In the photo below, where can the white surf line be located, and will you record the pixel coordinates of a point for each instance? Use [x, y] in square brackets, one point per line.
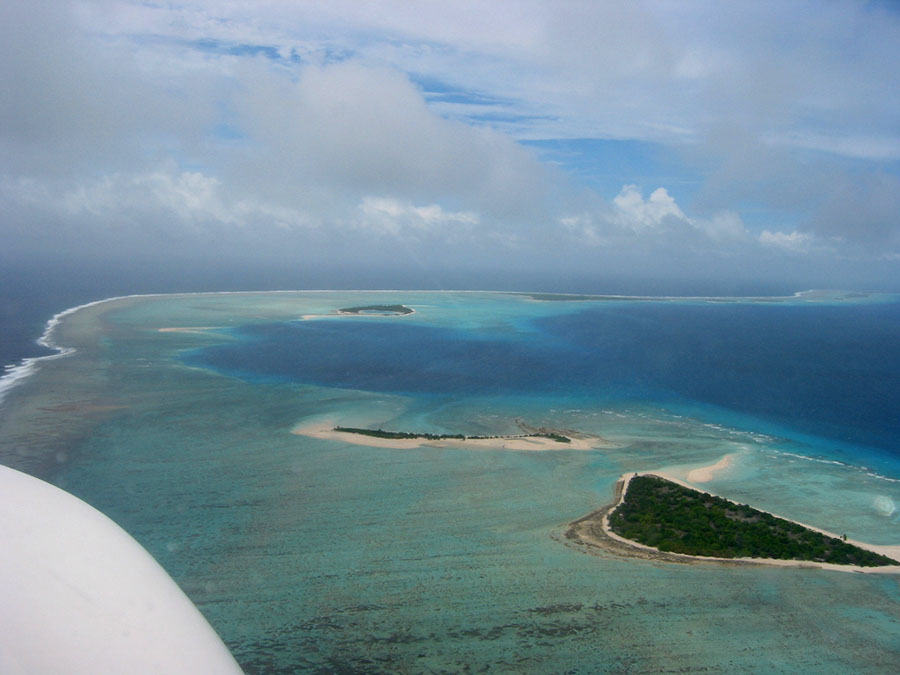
[14, 374]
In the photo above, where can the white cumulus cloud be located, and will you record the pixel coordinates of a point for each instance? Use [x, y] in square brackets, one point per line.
[795, 242]
[393, 216]
[634, 212]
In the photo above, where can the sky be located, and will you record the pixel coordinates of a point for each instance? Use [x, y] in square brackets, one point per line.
[451, 143]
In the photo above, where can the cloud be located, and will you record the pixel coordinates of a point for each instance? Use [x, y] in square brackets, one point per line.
[639, 70]
[367, 131]
[393, 216]
[164, 207]
[654, 71]
[123, 149]
[188, 197]
[316, 128]
[724, 226]
[635, 213]
[861, 210]
[73, 103]
[794, 242]
[832, 198]
[657, 224]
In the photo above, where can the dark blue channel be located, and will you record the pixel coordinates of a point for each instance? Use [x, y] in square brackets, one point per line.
[829, 370]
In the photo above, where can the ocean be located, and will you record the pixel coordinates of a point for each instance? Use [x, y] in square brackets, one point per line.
[316, 555]
[830, 370]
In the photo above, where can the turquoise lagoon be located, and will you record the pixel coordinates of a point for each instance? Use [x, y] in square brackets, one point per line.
[316, 555]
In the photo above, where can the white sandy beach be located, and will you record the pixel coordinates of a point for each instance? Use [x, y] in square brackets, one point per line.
[706, 473]
[373, 315]
[701, 474]
[187, 329]
[325, 430]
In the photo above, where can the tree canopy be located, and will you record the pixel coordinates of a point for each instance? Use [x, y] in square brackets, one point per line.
[659, 513]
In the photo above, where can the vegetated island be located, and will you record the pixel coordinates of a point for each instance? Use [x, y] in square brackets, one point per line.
[531, 439]
[364, 310]
[377, 309]
[380, 433]
[656, 518]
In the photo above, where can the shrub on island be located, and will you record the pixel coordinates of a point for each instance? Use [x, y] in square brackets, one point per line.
[377, 309]
[381, 433]
[673, 518]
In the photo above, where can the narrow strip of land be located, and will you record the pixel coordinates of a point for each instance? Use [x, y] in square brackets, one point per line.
[378, 309]
[187, 329]
[531, 440]
[706, 473]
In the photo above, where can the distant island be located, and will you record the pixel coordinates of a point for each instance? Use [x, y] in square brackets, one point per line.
[377, 309]
[380, 433]
[665, 520]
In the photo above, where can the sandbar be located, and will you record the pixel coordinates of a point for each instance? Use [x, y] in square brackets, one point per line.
[704, 474]
[325, 430]
[593, 533]
[187, 329]
[358, 315]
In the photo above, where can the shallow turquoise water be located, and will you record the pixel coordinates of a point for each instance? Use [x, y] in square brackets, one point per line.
[317, 555]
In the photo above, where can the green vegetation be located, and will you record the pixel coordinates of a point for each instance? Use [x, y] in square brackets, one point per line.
[380, 309]
[559, 438]
[381, 433]
[670, 517]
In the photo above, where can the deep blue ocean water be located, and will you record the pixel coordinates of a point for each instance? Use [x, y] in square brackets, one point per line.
[828, 370]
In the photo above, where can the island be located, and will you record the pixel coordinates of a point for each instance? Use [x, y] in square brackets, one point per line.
[380, 433]
[377, 309]
[653, 517]
[532, 438]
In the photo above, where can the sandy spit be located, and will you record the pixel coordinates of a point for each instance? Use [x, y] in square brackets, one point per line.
[705, 474]
[187, 329]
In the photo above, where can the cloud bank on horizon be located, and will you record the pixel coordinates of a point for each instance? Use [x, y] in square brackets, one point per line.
[753, 139]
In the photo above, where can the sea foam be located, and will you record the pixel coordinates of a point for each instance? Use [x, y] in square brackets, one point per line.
[15, 374]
